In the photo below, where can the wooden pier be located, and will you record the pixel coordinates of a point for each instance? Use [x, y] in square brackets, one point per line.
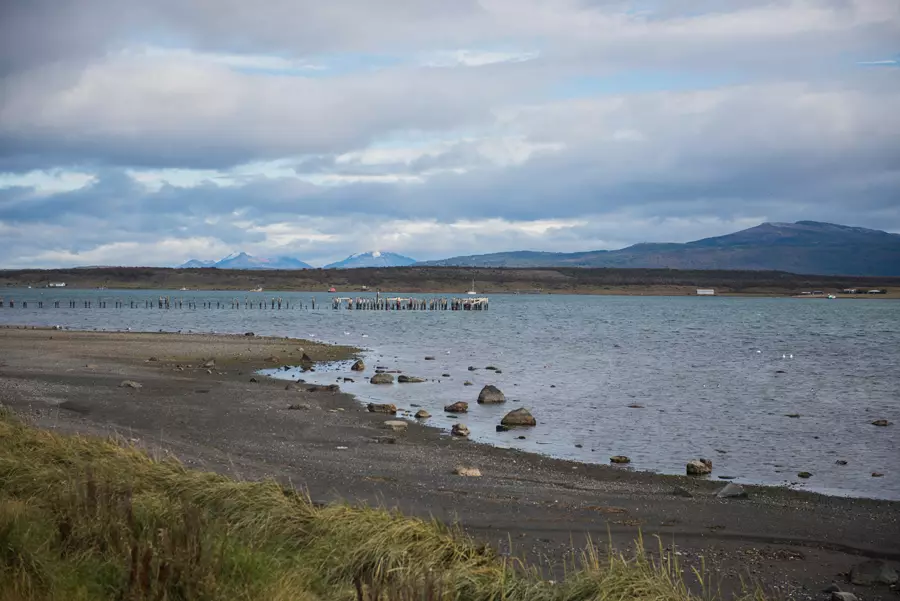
[379, 303]
[166, 303]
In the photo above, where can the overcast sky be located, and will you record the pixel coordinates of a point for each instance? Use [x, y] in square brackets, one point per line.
[148, 132]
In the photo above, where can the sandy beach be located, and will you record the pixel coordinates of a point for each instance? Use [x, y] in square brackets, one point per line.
[223, 417]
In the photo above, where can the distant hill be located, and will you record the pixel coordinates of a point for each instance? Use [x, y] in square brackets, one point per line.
[806, 247]
[244, 261]
[373, 258]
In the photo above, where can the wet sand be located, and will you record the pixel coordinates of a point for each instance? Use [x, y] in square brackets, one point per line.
[216, 418]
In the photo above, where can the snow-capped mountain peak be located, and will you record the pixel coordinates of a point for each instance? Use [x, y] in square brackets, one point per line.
[372, 258]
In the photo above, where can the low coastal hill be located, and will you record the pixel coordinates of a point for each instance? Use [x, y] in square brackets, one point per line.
[451, 280]
[801, 247]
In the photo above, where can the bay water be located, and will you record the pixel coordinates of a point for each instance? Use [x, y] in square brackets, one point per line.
[660, 379]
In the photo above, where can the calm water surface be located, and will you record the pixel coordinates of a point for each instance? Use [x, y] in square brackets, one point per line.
[716, 377]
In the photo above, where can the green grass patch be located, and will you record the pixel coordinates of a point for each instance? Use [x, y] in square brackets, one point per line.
[85, 519]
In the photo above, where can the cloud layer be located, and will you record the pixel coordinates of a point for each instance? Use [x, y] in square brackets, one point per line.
[150, 132]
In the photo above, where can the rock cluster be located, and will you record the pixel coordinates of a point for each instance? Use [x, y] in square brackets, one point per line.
[459, 430]
[388, 408]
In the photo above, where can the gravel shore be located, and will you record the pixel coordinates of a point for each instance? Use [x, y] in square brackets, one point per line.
[199, 398]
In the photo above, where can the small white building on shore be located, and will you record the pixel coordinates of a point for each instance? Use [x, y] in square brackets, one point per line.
[706, 291]
[56, 285]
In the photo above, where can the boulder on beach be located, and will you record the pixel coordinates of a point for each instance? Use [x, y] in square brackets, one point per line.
[409, 380]
[389, 408]
[490, 394]
[518, 417]
[619, 459]
[459, 430]
[358, 365]
[732, 491]
[873, 571]
[699, 467]
[457, 407]
[471, 472]
[422, 414]
[382, 379]
[131, 384]
[397, 425]
[210, 364]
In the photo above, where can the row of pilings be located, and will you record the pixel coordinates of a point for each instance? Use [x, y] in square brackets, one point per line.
[380, 303]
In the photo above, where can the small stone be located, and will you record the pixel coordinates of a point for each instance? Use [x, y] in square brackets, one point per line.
[804, 475]
[358, 365]
[497, 371]
[698, 467]
[249, 334]
[520, 438]
[470, 472]
[877, 475]
[131, 384]
[210, 363]
[491, 395]
[792, 415]
[732, 491]
[502, 428]
[152, 359]
[382, 379]
[422, 414]
[519, 417]
[253, 380]
[299, 407]
[873, 571]
[841, 462]
[882, 422]
[635, 406]
[579, 446]
[384, 440]
[397, 425]
[388, 408]
[459, 430]
[429, 358]
[457, 407]
[842, 596]
[409, 380]
[209, 371]
[619, 459]
[491, 367]
[467, 383]
[679, 491]
[351, 380]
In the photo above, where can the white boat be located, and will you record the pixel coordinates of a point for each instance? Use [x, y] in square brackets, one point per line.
[257, 289]
[183, 289]
[472, 292]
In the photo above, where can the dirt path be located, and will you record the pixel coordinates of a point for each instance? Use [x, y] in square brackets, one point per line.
[216, 418]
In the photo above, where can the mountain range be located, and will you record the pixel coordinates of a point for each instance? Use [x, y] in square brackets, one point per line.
[242, 260]
[374, 258]
[804, 247]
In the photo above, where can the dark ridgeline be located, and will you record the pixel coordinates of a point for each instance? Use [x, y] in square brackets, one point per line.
[802, 247]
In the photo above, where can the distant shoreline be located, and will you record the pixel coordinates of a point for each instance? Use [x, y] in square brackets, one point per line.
[450, 281]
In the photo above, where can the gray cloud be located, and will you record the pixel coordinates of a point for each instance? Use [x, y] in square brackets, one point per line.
[684, 121]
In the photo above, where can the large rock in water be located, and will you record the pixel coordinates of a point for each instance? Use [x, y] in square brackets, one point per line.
[382, 379]
[457, 407]
[358, 365]
[518, 417]
[699, 467]
[388, 408]
[491, 394]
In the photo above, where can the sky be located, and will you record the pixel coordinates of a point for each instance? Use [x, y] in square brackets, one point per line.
[149, 132]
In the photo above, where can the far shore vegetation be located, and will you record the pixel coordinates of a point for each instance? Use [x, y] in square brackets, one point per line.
[453, 280]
